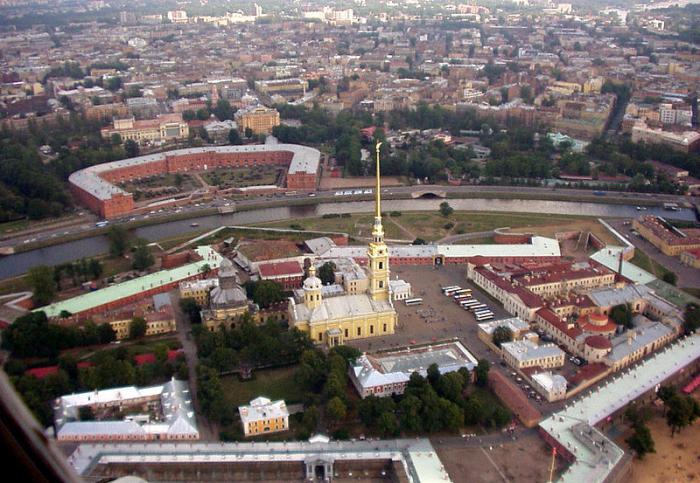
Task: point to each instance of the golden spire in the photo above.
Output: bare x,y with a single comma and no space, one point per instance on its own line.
378,230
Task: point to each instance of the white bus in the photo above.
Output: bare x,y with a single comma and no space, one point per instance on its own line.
463,296
470,303
466,291
482,317
413,301
475,308
451,291
483,311
449,287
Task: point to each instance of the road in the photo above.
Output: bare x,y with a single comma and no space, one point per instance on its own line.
87,223
208,431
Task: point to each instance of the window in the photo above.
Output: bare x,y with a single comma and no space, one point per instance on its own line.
371,329
384,327
320,337
359,331
381,265
381,284
346,332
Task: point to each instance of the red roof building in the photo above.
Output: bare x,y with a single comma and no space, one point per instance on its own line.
288,274
42,372
142,359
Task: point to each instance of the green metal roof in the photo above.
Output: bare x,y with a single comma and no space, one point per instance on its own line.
122,290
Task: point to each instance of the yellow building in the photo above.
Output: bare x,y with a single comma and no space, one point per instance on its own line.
260,119
156,324
198,290
165,127
263,416
334,320
228,302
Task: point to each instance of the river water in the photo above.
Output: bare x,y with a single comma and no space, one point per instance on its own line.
14,265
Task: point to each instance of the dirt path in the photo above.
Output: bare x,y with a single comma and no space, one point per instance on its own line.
411,235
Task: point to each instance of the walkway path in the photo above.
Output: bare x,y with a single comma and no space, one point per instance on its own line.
410,234
450,239
208,431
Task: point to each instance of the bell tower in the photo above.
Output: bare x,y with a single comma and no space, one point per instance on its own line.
312,289
377,252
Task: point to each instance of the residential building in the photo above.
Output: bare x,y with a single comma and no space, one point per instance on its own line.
288,274
198,290
263,416
162,412
165,127
526,353
551,386
258,119
670,240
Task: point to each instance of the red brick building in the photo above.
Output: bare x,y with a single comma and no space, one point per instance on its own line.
95,186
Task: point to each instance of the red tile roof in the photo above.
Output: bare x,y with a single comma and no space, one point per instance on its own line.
280,269
174,354
142,359
587,372
84,364
598,342
554,320
42,372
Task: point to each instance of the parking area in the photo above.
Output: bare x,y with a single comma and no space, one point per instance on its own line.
439,317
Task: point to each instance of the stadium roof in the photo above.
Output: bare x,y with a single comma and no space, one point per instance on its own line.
304,160
119,291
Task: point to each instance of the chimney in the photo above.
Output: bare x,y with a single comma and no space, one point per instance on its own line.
619,269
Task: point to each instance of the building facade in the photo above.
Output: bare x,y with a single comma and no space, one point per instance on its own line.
263,416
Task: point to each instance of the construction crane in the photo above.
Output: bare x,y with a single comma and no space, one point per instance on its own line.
551,467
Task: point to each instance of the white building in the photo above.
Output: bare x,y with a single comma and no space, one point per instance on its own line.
526,353
263,416
551,386
173,420
400,289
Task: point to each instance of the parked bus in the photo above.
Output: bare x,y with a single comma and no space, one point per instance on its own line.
466,291
471,303
451,291
483,317
413,301
447,287
463,296
483,311
474,308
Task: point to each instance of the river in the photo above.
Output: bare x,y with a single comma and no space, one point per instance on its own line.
14,265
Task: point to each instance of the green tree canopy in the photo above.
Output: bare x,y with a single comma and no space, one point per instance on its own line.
137,328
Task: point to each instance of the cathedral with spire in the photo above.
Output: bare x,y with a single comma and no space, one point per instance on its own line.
334,320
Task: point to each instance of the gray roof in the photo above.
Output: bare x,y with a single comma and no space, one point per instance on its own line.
526,350
645,332
304,160
607,297
341,307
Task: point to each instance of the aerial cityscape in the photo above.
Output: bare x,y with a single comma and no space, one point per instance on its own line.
350,240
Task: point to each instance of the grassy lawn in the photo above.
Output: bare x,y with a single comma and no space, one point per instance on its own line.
240,177
695,292
431,225
272,383
644,261
10,226
167,180
673,294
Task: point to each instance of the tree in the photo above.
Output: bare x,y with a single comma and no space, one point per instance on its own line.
191,308
131,148
95,268
312,370
641,441
137,328
502,334
223,110
143,258
118,240
388,424
682,411
327,273
116,139
445,209
622,315
450,386
310,419
482,373
691,319
670,277
43,286
419,241
234,137
433,374
267,293
105,333
188,115
202,114
248,132
335,409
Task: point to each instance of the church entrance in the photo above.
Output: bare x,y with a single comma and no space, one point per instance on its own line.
439,260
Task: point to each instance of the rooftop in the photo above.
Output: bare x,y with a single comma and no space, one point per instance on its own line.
134,287
573,426
527,350
304,160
